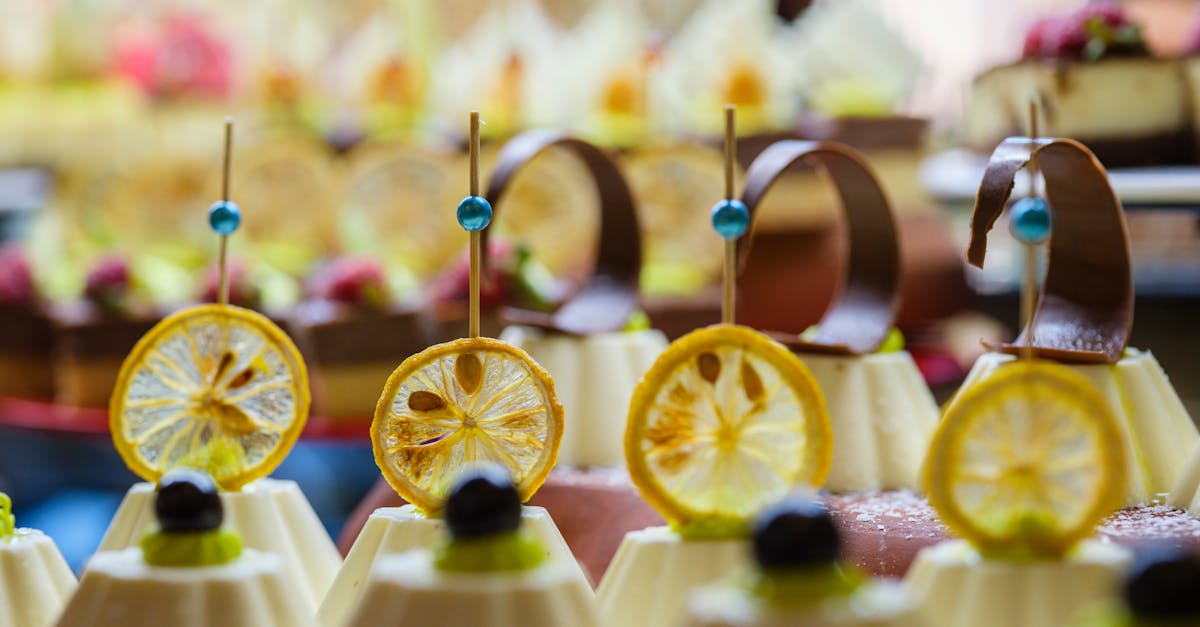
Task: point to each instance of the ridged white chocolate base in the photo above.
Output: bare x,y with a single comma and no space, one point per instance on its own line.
655,569
883,416
271,516
1159,434
876,604
406,589
36,580
120,589
953,586
392,530
594,377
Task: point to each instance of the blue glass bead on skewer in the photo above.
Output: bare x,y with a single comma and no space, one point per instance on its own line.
474,213
730,218
224,217
1029,220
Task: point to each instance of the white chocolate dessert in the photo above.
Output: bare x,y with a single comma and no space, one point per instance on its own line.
883,416
594,377
878,604
120,588
407,589
393,530
654,570
36,580
954,586
270,515
1159,435
1185,494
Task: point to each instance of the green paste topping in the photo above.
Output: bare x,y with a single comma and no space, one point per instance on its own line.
503,552
201,548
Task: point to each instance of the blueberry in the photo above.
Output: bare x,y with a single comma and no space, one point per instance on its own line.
1164,584
483,502
188,501
794,533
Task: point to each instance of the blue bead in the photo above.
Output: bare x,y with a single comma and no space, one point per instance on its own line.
730,218
474,213
1029,220
224,217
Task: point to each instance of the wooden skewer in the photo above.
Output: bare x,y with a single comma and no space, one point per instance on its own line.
222,258
729,268
476,252
1029,284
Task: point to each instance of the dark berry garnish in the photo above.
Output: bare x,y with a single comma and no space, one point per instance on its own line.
795,533
352,280
483,502
1165,584
242,290
188,501
108,283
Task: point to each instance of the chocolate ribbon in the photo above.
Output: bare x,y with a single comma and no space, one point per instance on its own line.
1085,310
865,310
609,297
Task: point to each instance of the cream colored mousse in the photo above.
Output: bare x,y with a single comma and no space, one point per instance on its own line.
407,589
36,580
648,582
954,586
594,377
120,588
1159,435
799,578
1186,492
394,530
270,515
1088,101
883,417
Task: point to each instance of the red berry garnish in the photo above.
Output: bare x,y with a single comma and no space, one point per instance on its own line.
107,283
1035,38
242,291
352,280
16,278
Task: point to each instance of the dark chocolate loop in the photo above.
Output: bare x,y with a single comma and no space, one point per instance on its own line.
1085,311
860,317
609,297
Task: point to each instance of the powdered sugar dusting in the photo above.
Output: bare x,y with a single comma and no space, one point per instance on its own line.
1150,523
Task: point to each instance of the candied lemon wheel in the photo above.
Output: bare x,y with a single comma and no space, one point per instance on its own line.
216,388
726,422
465,401
1027,462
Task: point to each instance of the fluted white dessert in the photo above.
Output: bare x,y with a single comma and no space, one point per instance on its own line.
594,378
952,585
650,577
406,589
875,604
35,581
270,515
883,417
1185,494
1159,435
392,530
120,588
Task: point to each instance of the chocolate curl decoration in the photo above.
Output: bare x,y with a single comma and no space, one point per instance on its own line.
1085,310
864,311
609,297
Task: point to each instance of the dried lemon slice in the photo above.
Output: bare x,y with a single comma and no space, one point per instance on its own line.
216,388
725,422
460,402
1026,462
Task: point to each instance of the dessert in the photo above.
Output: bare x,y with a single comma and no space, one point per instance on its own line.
881,411
489,571
1159,590
1074,62
799,578
189,571
220,389
353,333
1023,466
1085,311
37,581
724,423
92,334
25,337
469,400
586,344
